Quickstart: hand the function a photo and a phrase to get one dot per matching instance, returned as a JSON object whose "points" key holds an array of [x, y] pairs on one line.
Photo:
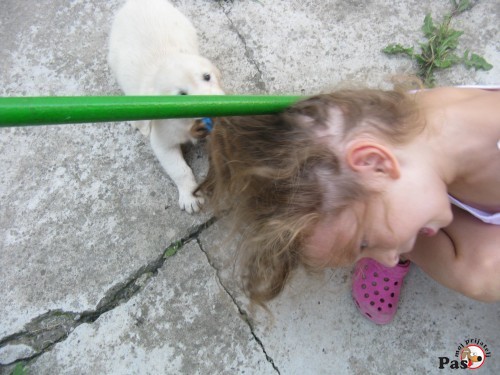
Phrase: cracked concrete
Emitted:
{"points": [[243, 313], [40, 334], [86, 212], [162, 331], [258, 78]]}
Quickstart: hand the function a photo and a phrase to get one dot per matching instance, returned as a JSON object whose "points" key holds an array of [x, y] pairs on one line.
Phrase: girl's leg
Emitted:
{"points": [[465, 257]]}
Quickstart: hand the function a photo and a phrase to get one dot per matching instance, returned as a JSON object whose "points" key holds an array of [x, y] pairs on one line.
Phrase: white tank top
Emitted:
{"points": [[481, 215]]}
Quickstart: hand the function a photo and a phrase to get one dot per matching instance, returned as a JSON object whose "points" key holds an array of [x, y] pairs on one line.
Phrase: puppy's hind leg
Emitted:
{"points": [[169, 153]]}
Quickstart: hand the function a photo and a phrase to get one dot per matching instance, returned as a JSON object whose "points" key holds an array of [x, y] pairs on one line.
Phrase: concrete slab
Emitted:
{"points": [[315, 327], [311, 46], [86, 212], [182, 322], [84, 207]]}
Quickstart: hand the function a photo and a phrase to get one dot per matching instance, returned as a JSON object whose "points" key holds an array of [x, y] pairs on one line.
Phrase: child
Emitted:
{"points": [[365, 176]]}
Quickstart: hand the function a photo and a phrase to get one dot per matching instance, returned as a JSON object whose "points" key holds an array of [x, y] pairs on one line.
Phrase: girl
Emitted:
{"points": [[365, 176]]}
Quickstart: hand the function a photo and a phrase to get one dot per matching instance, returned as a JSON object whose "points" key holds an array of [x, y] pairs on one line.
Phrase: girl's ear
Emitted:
{"points": [[372, 159]]}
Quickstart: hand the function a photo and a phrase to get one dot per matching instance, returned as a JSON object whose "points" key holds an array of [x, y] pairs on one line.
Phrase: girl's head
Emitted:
{"points": [[285, 180]]}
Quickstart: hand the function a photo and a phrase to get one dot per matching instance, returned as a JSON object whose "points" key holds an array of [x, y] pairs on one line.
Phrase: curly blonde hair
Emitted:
{"points": [[276, 178]]}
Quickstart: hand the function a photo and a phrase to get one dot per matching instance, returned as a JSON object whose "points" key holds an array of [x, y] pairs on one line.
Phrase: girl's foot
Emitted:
{"points": [[376, 288]]}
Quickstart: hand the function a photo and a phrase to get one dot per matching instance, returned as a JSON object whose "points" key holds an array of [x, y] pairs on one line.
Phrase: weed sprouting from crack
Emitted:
{"points": [[54, 326], [172, 249], [439, 50], [19, 370]]}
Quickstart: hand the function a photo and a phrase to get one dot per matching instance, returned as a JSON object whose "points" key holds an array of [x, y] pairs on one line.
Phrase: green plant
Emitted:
{"points": [[172, 249], [19, 370], [439, 50]]}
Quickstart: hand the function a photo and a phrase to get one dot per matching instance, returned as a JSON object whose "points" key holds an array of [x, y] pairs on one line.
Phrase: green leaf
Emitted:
{"points": [[475, 61], [438, 51], [421, 60], [462, 6], [19, 370], [451, 40], [428, 28], [393, 49], [447, 61], [427, 52], [172, 249]]}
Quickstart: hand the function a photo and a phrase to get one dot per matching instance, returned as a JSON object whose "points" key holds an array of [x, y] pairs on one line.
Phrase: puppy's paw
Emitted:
{"points": [[189, 203]]}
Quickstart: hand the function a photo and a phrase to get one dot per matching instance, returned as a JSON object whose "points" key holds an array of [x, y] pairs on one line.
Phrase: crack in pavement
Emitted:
{"points": [[242, 312], [54, 326], [261, 83]]}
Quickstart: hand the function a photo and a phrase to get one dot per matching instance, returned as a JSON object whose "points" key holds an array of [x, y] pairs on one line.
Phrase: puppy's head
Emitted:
{"points": [[183, 74]]}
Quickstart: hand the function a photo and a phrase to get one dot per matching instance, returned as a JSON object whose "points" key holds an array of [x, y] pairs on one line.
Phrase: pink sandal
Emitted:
{"points": [[376, 289]]}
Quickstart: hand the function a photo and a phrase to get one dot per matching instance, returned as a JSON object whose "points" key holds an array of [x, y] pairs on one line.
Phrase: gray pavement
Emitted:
{"points": [[86, 212]]}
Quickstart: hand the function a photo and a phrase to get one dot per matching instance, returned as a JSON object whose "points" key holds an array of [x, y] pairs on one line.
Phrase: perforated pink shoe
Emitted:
{"points": [[376, 288]]}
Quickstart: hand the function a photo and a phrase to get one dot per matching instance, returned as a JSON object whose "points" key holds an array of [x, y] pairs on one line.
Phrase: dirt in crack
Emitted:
{"points": [[54, 326]]}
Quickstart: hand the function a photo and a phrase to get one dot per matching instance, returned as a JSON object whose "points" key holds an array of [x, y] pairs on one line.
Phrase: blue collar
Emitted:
{"points": [[209, 124]]}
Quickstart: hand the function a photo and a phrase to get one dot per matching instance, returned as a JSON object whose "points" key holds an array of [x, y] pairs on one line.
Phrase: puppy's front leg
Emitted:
{"points": [[167, 148]]}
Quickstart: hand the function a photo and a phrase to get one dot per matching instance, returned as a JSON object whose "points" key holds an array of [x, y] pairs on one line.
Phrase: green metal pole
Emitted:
{"points": [[28, 111]]}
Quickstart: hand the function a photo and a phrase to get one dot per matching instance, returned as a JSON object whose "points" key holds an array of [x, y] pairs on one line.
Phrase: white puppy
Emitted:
{"points": [[153, 50]]}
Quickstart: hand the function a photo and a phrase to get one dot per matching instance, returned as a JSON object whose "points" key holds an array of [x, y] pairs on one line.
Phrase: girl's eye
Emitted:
{"points": [[206, 77]]}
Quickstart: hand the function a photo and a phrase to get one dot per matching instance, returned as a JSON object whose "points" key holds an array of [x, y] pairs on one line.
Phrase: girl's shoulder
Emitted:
{"points": [[472, 105], [443, 96]]}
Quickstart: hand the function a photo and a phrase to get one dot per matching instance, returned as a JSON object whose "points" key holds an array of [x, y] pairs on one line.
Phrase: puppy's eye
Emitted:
{"points": [[182, 92], [206, 77]]}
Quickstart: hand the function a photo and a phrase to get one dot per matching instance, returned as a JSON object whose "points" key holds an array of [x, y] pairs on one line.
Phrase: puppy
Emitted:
{"points": [[153, 50]]}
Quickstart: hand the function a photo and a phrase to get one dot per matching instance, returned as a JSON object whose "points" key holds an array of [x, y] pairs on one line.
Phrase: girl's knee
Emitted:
{"points": [[481, 286], [482, 295]]}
